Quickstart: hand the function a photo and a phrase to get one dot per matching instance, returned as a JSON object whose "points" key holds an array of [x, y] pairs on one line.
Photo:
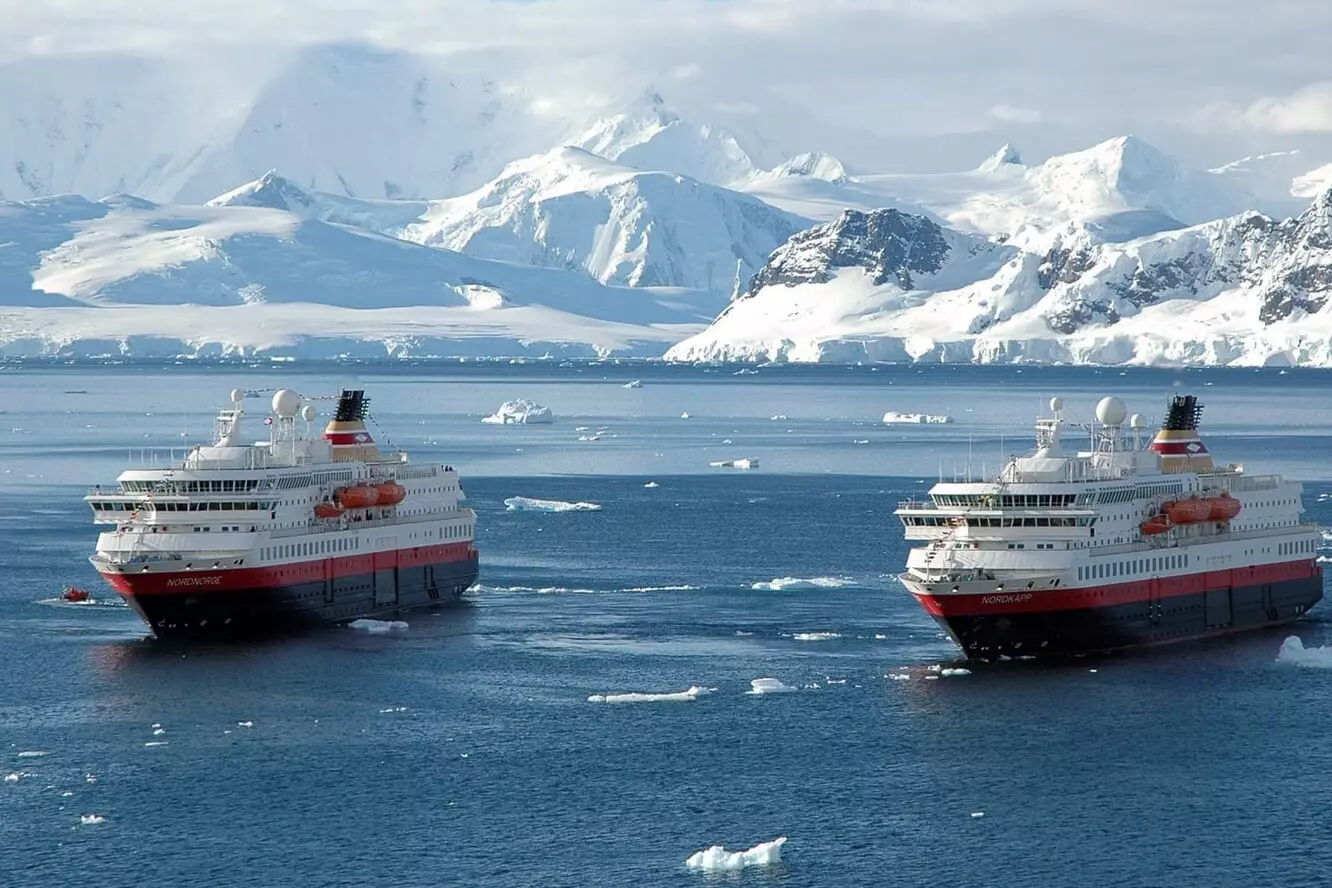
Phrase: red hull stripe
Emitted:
{"points": [[1015, 600], [339, 439], [204, 579], [1179, 448]]}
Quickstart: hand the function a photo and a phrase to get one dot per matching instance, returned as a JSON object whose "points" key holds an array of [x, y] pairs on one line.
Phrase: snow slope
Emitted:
{"points": [[239, 277], [572, 209], [1117, 190], [888, 286]]}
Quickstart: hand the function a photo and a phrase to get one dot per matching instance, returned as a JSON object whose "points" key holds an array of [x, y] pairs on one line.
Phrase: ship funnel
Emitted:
{"points": [[346, 433], [1178, 443]]}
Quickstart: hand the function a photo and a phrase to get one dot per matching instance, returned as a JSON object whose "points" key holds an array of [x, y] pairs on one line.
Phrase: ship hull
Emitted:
{"points": [[1151, 620], [246, 604]]}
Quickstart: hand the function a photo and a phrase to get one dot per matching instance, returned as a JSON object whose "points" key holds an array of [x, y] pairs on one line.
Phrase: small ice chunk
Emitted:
{"points": [[390, 709], [977, 813], [245, 724], [12, 778], [528, 504], [651, 485], [91, 778], [954, 671], [156, 743], [1294, 652], [693, 693], [816, 636], [898, 676], [520, 410], [742, 463], [159, 732], [633, 384], [780, 417], [894, 418], [378, 626], [684, 415], [66, 794], [718, 859], [759, 686], [33, 753], [92, 819]]}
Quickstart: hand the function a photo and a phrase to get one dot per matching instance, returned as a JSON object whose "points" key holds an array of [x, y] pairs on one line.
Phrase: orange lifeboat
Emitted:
{"points": [[1223, 507], [328, 510], [391, 493], [1189, 511], [1154, 525], [359, 497]]}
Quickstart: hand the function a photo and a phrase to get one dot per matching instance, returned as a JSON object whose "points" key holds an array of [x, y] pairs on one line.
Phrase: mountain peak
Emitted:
{"points": [[1005, 156], [270, 191], [813, 165]]}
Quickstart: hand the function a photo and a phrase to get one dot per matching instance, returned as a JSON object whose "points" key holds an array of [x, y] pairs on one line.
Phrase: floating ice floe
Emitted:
{"points": [[378, 625], [520, 411], [894, 418], [745, 463], [684, 415], [816, 636], [977, 813], [633, 384], [954, 671], [33, 753], [12, 778], [651, 484], [899, 676], [245, 724], [92, 819], [759, 686], [156, 743], [779, 417], [718, 859], [1293, 651], [693, 693], [159, 732], [782, 584], [527, 504]]}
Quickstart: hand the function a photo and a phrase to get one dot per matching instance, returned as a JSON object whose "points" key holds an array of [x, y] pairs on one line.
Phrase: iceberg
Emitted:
{"points": [[718, 859], [893, 418], [746, 463], [91, 819], [527, 504], [1294, 652], [758, 686], [633, 384], [693, 693], [376, 626], [520, 411]]}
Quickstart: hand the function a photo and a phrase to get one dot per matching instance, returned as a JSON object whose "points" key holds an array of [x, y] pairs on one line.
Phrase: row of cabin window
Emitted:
{"points": [[349, 544], [1136, 566], [1031, 501], [1297, 547], [940, 521], [182, 507], [233, 486]]}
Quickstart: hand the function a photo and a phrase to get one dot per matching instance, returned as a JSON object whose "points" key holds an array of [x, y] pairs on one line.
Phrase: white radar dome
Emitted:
{"points": [[1056, 404], [1111, 411], [308, 413], [1137, 421], [237, 396], [286, 403]]}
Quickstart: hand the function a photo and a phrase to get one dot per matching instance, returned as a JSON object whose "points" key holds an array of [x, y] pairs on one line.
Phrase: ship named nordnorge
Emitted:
{"points": [[247, 538], [1133, 542]]}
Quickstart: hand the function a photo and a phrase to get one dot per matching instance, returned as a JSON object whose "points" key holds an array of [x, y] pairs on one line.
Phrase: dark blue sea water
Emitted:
{"points": [[465, 751]]}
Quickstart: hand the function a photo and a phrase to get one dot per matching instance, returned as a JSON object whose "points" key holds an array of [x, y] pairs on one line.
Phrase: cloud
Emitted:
{"points": [[1306, 110], [1014, 114]]}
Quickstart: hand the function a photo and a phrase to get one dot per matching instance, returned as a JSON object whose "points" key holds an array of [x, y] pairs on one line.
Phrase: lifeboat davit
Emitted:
{"points": [[328, 510], [359, 497], [1224, 507], [391, 493], [1154, 525], [1189, 511]]}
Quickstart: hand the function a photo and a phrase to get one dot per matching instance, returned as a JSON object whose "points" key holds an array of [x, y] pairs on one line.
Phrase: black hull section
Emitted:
{"points": [[1141, 623], [269, 610]]}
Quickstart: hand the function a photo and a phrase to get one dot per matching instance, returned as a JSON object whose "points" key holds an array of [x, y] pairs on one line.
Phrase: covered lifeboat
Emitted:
{"points": [[1155, 525], [1189, 511], [362, 496], [391, 493], [328, 510], [1223, 507]]}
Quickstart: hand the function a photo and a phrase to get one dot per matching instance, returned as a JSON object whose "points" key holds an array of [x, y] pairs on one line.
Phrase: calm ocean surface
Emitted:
{"points": [[464, 750]]}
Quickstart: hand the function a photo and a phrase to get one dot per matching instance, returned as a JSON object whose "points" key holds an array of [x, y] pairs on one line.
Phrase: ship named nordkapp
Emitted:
{"points": [[246, 538]]}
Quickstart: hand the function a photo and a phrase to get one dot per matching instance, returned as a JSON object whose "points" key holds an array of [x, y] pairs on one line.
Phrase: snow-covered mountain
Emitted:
{"points": [[1117, 190], [91, 275], [572, 209], [888, 286]]}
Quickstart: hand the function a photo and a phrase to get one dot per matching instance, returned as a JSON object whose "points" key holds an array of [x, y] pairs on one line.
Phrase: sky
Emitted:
{"points": [[889, 84]]}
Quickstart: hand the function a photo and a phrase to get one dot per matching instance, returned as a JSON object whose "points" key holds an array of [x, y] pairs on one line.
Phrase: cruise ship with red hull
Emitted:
{"points": [[1136, 541], [302, 529]]}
